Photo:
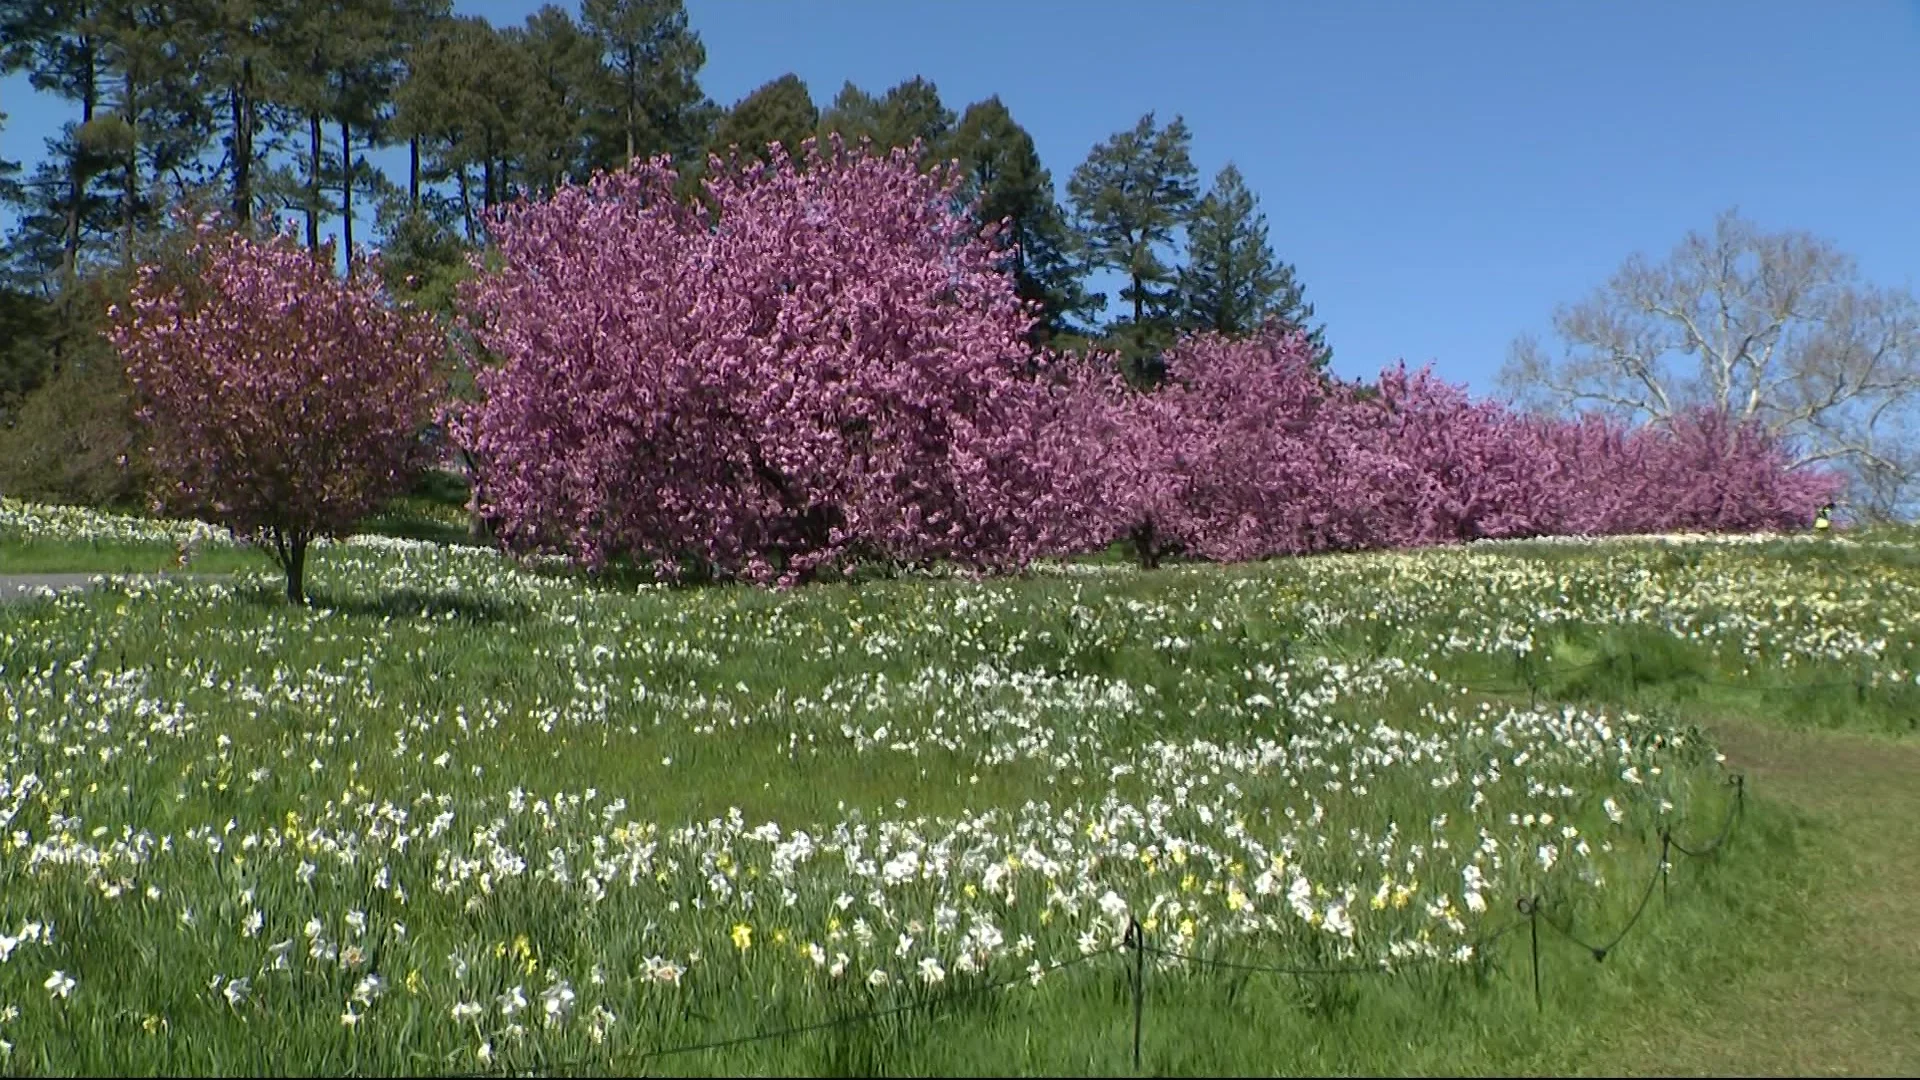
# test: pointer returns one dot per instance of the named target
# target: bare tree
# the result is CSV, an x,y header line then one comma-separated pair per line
x,y
1773,328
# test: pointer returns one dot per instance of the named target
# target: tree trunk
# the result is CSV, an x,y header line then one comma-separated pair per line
x,y
346,191
77,178
297,571
413,170
132,167
1144,548
486,179
633,92
241,100
313,183
477,528
466,202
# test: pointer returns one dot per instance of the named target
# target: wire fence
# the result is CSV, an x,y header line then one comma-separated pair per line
x,y
1136,944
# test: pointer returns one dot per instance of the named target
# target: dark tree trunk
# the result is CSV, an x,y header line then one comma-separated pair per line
x,y
297,572
466,202
633,92
77,176
132,177
346,192
241,99
1144,547
313,183
413,171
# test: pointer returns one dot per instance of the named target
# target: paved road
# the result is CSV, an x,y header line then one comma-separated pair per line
x,y
23,586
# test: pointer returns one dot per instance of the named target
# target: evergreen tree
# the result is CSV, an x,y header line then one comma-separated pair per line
x,y
10,188
158,125
1232,284
1130,198
465,99
236,50
910,111
854,115
59,44
779,112
554,141
656,105
1001,173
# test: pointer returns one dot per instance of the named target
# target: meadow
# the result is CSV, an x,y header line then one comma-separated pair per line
x,y
468,814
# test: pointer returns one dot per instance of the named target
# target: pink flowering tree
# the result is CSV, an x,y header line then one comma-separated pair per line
x,y
1698,472
278,400
1248,451
1461,470
1245,451
806,368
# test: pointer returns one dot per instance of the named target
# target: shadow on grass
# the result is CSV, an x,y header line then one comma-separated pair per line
x,y
403,603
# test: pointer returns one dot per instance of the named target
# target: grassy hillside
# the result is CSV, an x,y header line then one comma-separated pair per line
x,y
464,815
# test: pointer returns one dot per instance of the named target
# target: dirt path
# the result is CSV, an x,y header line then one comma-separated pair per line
x,y
1848,1002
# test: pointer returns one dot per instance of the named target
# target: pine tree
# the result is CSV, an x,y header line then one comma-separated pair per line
x,y
1001,173
554,142
1232,284
656,105
854,115
1130,198
779,112
912,111
465,99
235,50
59,44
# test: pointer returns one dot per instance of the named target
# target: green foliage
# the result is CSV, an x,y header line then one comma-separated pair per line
x,y
1002,174
1232,284
650,101
74,439
911,111
1130,199
854,115
569,110
778,112
26,326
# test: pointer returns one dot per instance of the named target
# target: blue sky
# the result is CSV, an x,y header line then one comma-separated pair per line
x,y
1441,174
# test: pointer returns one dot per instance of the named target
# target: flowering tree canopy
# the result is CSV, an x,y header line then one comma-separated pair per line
x,y
279,400
807,367
1249,451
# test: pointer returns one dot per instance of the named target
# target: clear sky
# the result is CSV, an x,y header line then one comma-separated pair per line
x,y
1442,174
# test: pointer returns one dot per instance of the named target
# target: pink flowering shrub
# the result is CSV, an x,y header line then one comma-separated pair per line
x,y
278,400
1248,451
807,368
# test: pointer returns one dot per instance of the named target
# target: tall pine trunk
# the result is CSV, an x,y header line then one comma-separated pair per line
x,y
466,201
633,93
413,171
346,190
132,172
78,172
77,175
313,182
240,98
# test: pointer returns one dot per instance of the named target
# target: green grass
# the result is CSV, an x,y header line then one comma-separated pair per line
x,y
1043,744
114,557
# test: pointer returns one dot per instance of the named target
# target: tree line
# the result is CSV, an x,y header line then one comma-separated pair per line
x,y
272,109
824,365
